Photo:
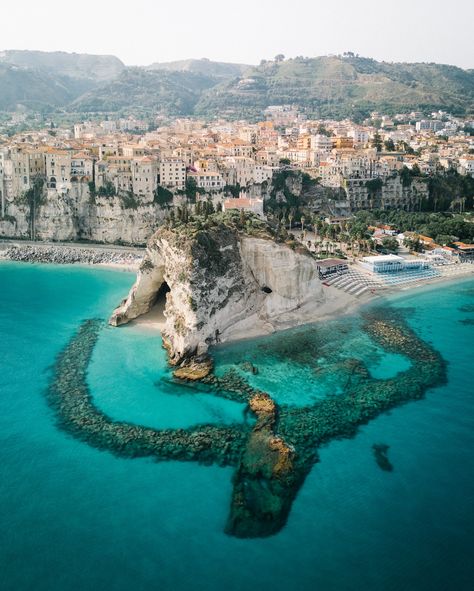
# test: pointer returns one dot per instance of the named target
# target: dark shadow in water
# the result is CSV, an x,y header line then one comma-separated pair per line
x,y
274,455
381,456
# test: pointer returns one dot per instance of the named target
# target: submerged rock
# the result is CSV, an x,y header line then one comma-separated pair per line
x,y
381,457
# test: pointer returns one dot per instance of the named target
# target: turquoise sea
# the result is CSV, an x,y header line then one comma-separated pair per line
x,y
75,518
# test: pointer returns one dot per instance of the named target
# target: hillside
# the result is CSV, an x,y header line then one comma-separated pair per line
x,y
327,87
203,66
36,90
60,63
340,87
173,93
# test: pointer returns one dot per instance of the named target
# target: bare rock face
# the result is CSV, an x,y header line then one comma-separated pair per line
x,y
75,216
222,284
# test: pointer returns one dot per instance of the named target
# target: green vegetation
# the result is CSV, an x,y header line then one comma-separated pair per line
x,y
339,87
191,190
442,227
172,93
129,200
107,190
35,198
377,142
162,196
390,244
324,87
234,190
220,70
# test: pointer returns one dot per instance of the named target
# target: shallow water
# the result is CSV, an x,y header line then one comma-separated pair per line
x,y
76,518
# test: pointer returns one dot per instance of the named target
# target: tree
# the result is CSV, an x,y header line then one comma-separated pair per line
x,y
191,189
444,239
303,219
162,196
389,145
377,141
279,58
290,218
35,198
390,243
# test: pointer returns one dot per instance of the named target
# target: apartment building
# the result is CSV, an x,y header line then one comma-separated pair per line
x,y
172,173
144,177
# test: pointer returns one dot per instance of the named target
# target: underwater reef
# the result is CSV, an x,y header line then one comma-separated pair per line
x,y
273,455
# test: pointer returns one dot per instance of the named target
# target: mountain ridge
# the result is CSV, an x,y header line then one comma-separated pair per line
x,y
323,87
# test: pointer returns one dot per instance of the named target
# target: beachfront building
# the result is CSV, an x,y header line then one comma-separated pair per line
x,y
465,251
392,263
330,267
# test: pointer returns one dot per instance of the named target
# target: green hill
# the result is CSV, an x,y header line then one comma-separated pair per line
x,y
330,87
36,90
343,87
172,93
203,66
60,63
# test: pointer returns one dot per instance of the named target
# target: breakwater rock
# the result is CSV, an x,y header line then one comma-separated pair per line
x,y
65,255
273,455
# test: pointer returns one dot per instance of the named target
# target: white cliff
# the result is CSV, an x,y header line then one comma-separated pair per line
x,y
223,284
76,216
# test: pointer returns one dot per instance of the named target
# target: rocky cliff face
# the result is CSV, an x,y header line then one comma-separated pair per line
x,y
76,216
224,283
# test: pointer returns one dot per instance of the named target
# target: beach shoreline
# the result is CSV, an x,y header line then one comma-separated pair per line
x,y
337,305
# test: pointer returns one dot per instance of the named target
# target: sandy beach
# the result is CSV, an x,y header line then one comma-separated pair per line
x,y
337,303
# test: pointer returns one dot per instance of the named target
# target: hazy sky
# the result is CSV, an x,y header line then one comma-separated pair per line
x,y
143,31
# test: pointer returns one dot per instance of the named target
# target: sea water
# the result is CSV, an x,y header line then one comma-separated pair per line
x,y
74,518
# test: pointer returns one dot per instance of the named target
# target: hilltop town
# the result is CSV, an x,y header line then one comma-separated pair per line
x,y
115,181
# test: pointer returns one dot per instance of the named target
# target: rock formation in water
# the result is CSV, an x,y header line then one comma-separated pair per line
x,y
273,457
226,275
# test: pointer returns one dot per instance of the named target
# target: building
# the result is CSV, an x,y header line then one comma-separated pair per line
x,y
466,166
466,251
172,173
321,143
144,177
58,170
392,263
208,180
329,267
246,204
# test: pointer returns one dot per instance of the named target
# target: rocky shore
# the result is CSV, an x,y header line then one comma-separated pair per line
x,y
66,255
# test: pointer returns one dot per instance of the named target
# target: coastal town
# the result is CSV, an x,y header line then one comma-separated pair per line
x,y
146,159
115,181
236,296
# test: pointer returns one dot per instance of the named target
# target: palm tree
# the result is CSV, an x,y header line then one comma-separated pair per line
x,y
290,218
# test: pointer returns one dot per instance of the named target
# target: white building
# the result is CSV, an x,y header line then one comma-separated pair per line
x,y
172,173
391,263
466,165
209,180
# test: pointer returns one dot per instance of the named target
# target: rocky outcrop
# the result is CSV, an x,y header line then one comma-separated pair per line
x,y
224,282
76,216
